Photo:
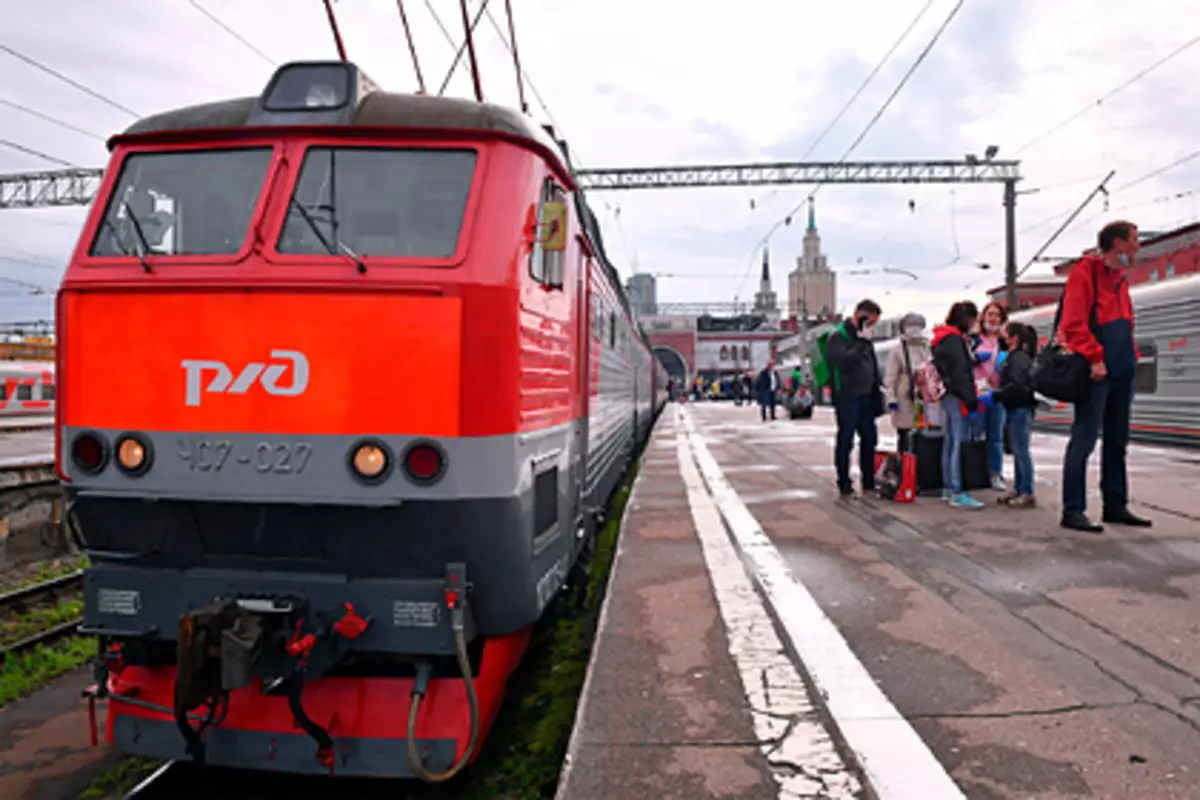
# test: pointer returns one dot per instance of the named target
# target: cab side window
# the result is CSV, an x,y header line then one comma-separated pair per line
x,y
546,266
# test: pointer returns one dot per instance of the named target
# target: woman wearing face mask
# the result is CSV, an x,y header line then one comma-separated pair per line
x,y
953,359
988,345
898,387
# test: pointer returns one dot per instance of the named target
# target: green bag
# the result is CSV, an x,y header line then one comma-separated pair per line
x,y
822,371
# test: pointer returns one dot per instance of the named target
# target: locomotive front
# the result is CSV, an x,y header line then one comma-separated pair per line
x,y
304,558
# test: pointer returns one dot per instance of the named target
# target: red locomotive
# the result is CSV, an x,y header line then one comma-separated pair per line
x,y
384,380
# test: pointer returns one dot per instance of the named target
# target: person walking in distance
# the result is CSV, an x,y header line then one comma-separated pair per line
x,y
857,397
1097,323
768,390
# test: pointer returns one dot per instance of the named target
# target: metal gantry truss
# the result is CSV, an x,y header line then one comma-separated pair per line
x,y
60,187
767,174
77,187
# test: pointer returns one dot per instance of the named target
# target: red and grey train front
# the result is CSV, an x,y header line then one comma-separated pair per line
x,y
299,563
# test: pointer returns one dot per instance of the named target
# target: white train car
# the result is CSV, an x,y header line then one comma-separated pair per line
x,y
26,389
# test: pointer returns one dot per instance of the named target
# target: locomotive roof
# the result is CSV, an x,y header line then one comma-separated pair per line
x,y
379,109
369,107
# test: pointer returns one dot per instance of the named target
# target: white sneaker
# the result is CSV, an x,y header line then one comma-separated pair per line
x,y
998,483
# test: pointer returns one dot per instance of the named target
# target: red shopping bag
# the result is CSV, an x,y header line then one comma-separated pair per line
x,y
896,476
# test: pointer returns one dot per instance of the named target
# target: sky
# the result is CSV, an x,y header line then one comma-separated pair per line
x,y
672,83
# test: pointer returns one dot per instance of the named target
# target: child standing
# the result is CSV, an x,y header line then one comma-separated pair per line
x,y
1016,393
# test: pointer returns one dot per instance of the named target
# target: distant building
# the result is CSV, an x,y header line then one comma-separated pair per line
x,y
812,286
643,294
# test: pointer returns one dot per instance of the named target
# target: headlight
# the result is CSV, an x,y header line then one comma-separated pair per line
x,y
370,461
134,454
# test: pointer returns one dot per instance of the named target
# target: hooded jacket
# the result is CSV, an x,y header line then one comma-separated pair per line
x,y
952,357
1111,341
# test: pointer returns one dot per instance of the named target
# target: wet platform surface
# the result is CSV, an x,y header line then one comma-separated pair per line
x,y
23,448
1033,662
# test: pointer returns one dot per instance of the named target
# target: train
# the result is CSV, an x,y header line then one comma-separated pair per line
x,y
347,382
26,389
1166,403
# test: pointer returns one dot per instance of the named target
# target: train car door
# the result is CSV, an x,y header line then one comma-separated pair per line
x,y
583,370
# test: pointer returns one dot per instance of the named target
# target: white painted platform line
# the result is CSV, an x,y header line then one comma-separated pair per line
x,y
897,763
803,759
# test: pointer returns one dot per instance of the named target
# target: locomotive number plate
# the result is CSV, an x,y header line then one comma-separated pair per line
x,y
215,455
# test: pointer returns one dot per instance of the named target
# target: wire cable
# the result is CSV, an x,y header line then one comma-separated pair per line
x,y
217,21
858,92
1097,103
62,124
38,153
871,124
69,81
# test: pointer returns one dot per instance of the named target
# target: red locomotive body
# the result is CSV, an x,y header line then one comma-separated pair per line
x,y
386,377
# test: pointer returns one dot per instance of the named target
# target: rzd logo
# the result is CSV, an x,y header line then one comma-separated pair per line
x,y
224,383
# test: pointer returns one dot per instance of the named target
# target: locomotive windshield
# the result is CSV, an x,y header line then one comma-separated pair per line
x,y
379,202
197,202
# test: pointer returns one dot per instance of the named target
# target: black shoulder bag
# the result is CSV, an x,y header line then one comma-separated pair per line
x,y
1061,375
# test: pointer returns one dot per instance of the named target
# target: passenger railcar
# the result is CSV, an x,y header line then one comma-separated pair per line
x,y
386,378
1166,402
26,389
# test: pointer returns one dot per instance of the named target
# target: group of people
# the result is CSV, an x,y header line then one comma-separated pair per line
x,y
980,366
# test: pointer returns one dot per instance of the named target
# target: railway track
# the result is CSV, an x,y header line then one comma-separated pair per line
x,y
21,601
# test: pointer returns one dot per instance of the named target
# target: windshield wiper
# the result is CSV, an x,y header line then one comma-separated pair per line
x,y
316,229
141,235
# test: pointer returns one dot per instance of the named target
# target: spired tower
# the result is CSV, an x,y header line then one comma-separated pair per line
x,y
812,286
765,300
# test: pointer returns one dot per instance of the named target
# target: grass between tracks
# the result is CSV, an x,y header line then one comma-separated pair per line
x,y
24,672
524,751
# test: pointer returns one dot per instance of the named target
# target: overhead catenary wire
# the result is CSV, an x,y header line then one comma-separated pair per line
x,y
858,92
920,59
220,24
38,153
69,81
1093,105
46,117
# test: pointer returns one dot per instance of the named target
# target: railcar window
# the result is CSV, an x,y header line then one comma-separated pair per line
x,y
379,202
24,392
192,203
1145,380
47,391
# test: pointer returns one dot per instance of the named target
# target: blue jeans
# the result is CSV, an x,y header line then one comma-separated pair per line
x,y
990,422
855,414
956,434
1106,411
1020,431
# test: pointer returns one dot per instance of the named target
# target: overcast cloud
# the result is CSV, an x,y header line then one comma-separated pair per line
x,y
671,82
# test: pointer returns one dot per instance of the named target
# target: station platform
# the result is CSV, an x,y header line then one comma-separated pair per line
x,y
764,638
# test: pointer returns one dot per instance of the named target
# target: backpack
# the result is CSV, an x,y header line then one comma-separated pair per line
x,y
818,357
929,382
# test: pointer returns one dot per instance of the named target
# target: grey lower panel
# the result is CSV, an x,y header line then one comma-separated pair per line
x,y
315,468
282,752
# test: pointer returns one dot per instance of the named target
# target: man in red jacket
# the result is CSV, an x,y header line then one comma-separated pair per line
x,y
1097,323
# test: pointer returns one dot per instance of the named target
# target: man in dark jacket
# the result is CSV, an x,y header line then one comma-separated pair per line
x,y
1106,340
857,397
767,386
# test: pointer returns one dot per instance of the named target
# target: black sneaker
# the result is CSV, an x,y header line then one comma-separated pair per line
x,y
1078,521
1123,516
